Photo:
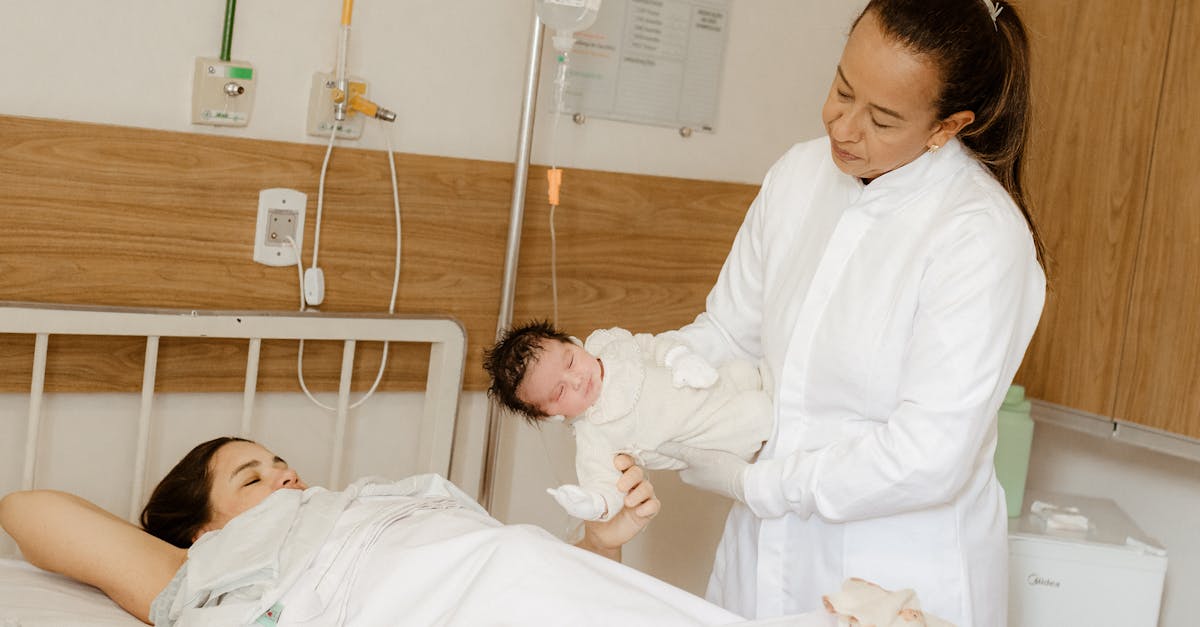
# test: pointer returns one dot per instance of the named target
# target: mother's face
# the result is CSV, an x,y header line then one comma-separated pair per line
x,y
880,110
243,474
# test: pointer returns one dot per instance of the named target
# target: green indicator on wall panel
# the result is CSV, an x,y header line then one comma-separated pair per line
x,y
222,92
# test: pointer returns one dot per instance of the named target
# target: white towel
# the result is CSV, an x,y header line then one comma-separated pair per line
x,y
863,604
1059,518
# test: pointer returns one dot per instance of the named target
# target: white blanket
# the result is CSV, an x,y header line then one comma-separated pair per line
x,y
417,552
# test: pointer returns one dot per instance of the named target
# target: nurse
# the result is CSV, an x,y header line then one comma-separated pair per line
x,y
889,278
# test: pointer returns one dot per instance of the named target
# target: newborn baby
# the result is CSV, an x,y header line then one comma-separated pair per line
x,y
626,393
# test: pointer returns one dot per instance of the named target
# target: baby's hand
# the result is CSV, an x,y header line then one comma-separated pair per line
x,y
689,369
579,502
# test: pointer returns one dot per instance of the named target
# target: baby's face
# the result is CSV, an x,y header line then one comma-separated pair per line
x,y
565,380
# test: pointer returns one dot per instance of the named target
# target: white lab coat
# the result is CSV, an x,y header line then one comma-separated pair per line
x,y
892,318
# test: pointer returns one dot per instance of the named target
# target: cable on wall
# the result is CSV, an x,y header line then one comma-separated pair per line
x,y
305,276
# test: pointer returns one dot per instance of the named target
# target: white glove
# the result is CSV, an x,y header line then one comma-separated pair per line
x,y
689,369
715,471
578,502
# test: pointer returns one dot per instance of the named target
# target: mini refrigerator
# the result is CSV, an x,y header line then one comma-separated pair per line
x,y
1110,574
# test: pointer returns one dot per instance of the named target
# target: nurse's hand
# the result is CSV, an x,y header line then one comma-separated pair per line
x,y
715,471
606,538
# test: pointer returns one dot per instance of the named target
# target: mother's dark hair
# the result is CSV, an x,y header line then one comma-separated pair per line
x,y
984,68
179,507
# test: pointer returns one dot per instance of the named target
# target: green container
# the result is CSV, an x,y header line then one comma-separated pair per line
x,y
1015,438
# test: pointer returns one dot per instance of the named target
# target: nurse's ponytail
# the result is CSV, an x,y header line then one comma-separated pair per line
x,y
982,53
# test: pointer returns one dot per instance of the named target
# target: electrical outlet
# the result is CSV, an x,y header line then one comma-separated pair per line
x,y
281,224
280,216
320,108
222,92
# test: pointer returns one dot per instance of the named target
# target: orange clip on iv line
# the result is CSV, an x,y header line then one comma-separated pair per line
x,y
554,178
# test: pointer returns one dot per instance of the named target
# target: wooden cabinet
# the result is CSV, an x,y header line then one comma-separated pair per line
x,y
1159,383
1115,144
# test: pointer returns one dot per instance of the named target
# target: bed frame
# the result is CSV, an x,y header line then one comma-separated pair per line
x,y
446,337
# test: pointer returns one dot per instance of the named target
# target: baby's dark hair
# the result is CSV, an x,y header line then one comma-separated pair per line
x,y
508,360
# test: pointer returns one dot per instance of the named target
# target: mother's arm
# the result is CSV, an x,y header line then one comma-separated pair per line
x,y
65,534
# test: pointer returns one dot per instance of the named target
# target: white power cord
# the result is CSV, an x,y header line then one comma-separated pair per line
x,y
299,269
305,280
315,272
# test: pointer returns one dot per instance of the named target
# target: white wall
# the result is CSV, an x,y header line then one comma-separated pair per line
x,y
453,71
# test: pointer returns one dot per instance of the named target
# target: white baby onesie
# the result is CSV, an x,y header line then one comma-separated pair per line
x,y
640,407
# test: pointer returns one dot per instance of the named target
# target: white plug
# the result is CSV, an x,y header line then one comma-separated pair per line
x,y
314,286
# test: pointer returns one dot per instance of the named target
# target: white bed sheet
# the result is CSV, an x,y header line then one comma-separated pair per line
x,y
415,553
31,597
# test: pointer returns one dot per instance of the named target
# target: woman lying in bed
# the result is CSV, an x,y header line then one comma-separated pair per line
x,y
208,488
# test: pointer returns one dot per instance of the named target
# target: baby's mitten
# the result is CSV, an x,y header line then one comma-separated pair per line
x,y
689,369
578,502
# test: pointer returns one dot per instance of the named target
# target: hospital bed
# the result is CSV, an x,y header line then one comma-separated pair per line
x,y
29,596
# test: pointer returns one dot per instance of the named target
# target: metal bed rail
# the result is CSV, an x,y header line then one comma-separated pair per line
x,y
447,356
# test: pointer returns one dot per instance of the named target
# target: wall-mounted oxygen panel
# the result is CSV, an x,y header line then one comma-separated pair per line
x,y
222,92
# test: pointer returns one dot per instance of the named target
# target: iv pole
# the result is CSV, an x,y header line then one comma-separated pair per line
x,y
516,217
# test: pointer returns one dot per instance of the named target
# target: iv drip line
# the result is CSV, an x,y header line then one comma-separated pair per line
x,y
553,265
554,180
554,174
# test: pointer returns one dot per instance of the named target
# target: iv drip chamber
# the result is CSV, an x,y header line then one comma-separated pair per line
x,y
567,17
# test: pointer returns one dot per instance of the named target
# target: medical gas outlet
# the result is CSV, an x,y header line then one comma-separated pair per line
x,y
222,92
325,97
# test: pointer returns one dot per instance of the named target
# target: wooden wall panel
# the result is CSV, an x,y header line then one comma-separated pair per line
x,y
1096,84
107,215
614,232
1161,365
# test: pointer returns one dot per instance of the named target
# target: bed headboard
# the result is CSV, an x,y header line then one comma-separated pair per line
x,y
446,337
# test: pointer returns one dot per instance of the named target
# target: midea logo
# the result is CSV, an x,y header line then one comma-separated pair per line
x,y
1034,580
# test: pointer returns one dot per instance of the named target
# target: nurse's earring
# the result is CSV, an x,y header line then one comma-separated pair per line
x,y
932,147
